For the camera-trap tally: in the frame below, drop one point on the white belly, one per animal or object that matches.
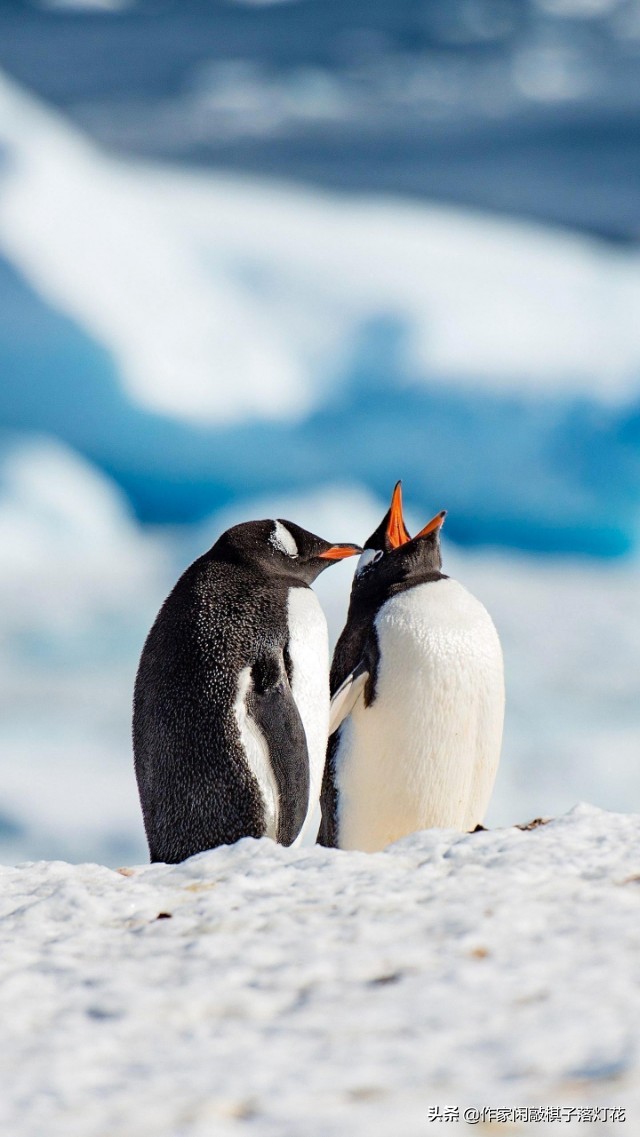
(309, 651)
(426, 752)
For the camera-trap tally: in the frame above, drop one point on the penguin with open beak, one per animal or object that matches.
(417, 704)
(231, 704)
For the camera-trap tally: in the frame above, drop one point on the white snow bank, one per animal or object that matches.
(70, 547)
(78, 588)
(261, 990)
(222, 298)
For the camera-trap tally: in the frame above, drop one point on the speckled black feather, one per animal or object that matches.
(227, 612)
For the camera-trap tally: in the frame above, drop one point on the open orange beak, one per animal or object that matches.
(396, 529)
(339, 552)
(432, 525)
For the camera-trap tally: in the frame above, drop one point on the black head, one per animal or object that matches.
(280, 548)
(392, 560)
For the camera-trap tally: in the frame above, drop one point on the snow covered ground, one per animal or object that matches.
(280, 993)
(193, 347)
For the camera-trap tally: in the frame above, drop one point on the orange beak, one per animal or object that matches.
(435, 523)
(339, 552)
(396, 528)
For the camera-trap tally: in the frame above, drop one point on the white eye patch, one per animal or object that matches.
(283, 540)
(368, 557)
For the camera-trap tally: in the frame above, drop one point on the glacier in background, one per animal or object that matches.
(204, 338)
(188, 350)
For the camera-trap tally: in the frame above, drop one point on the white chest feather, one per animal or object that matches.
(425, 752)
(309, 652)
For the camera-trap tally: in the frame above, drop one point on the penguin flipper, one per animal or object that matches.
(347, 695)
(328, 832)
(273, 709)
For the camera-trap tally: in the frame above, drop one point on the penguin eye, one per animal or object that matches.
(369, 557)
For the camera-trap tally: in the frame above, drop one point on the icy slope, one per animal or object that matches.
(259, 990)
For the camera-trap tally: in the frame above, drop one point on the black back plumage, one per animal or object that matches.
(227, 612)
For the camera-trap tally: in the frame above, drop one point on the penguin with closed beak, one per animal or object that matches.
(231, 703)
(418, 697)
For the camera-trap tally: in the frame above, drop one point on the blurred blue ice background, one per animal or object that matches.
(262, 259)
